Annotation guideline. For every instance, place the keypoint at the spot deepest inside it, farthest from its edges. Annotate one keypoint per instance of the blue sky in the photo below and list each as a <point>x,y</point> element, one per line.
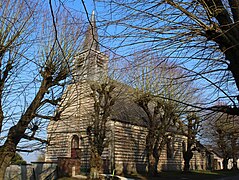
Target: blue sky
<point>90,6</point>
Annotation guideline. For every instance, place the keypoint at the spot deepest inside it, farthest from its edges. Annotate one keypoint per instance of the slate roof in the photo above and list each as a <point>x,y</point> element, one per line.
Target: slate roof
<point>125,109</point>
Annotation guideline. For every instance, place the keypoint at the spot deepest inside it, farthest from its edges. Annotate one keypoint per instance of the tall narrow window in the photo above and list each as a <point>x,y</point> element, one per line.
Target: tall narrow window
<point>170,149</point>
<point>74,146</point>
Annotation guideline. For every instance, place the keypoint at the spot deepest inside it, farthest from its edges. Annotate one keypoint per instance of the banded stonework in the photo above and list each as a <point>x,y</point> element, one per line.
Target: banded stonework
<point>126,133</point>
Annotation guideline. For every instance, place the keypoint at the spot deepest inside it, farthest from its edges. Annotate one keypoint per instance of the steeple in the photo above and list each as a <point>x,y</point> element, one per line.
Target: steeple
<point>90,63</point>
<point>91,36</point>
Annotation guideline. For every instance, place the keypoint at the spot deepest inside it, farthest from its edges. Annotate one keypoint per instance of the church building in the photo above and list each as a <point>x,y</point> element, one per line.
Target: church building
<point>125,151</point>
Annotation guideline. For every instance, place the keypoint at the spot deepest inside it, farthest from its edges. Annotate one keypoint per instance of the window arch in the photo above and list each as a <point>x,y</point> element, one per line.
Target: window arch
<point>74,146</point>
<point>170,148</point>
<point>75,142</point>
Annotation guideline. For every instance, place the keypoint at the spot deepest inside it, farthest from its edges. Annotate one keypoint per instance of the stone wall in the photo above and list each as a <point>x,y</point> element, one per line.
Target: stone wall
<point>60,132</point>
<point>35,171</point>
<point>129,150</point>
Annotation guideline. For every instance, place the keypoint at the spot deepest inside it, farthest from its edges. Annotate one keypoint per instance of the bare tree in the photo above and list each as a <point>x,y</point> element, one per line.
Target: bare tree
<point>190,129</point>
<point>161,116</point>
<point>156,88</point>
<point>36,50</point>
<point>103,96</point>
<point>201,36</point>
<point>221,131</point>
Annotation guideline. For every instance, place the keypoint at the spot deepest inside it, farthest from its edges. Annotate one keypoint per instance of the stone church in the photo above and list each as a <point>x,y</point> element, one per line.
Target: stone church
<point>125,152</point>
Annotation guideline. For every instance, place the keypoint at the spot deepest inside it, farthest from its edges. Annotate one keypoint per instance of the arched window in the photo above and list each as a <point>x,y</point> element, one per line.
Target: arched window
<point>74,146</point>
<point>170,148</point>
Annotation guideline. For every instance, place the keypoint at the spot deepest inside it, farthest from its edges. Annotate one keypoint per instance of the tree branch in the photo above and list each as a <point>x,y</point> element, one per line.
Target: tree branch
<point>219,12</point>
<point>53,102</point>
<point>30,138</point>
<point>235,9</point>
<point>225,109</point>
<point>51,118</point>
<point>189,14</point>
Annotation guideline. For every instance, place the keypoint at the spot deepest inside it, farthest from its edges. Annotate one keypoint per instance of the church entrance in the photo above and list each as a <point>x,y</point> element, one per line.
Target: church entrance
<point>70,166</point>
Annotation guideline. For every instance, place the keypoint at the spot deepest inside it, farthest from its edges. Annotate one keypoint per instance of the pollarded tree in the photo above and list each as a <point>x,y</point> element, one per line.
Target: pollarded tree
<point>200,35</point>
<point>36,50</point>
<point>221,131</point>
<point>190,129</point>
<point>103,98</point>
<point>158,91</point>
<point>161,117</point>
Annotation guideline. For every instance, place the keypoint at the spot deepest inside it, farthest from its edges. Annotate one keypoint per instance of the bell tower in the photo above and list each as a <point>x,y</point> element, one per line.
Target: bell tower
<point>91,64</point>
<point>66,136</point>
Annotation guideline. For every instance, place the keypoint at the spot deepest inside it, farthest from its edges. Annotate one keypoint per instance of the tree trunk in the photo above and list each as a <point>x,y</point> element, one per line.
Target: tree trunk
<point>187,156</point>
<point>234,167</point>
<point>228,45</point>
<point>158,148</point>
<point>7,152</point>
<point>225,163</point>
<point>153,160</point>
<point>5,162</point>
<point>152,168</point>
<point>234,151</point>
<point>186,165</point>
<point>156,166</point>
<point>16,132</point>
<point>232,55</point>
<point>96,164</point>
<point>8,149</point>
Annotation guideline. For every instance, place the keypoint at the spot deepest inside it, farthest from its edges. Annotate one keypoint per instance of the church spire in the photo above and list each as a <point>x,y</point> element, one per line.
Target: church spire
<point>91,64</point>
<point>91,36</point>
